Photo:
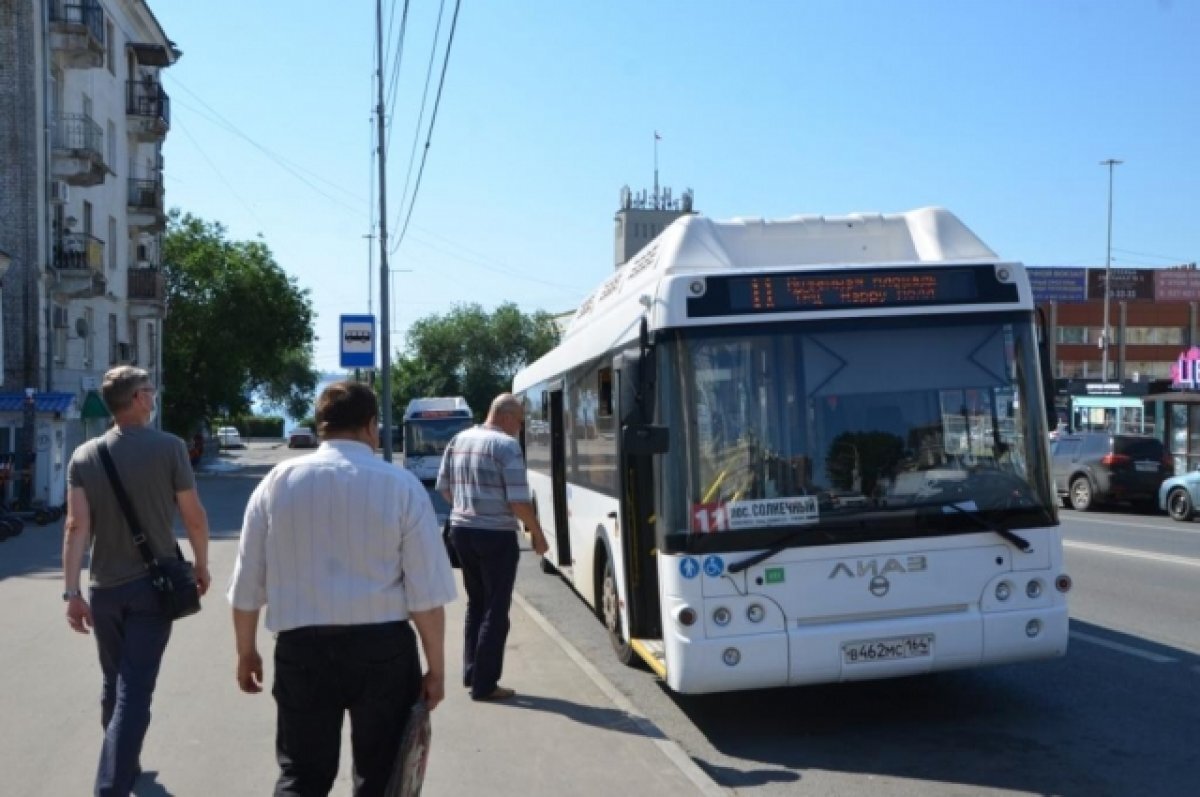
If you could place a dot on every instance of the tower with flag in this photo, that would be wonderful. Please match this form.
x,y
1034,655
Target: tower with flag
x,y
642,215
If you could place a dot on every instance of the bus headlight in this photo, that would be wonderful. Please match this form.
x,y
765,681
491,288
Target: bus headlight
x,y
1034,589
731,656
721,616
686,616
1063,583
755,613
1003,591
1033,628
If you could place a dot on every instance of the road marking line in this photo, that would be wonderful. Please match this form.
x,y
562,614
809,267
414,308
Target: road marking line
x,y
1154,557
1182,528
1132,651
669,748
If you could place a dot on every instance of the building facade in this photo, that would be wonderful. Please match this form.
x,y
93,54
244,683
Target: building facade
x,y
1154,315
83,116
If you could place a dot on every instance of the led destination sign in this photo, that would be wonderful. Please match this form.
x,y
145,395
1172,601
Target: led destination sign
x,y
846,289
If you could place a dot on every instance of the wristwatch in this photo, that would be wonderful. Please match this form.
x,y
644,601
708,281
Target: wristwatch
x,y
72,593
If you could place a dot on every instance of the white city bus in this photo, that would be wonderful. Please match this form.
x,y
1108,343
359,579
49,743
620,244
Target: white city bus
x,y
801,451
429,424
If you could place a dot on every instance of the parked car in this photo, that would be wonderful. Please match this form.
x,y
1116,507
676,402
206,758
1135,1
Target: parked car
x,y
228,437
1179,496
302,437
1102,467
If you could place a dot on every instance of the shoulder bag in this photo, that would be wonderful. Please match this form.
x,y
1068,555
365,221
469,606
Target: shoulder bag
x,y
451,552
173,579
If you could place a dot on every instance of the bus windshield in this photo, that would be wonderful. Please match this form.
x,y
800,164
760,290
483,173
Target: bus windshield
x,y
811,425
428,437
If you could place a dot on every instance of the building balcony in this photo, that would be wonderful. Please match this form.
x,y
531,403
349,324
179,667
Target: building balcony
x,y
145,205
79,265
77,33
78,151
146,292
148,110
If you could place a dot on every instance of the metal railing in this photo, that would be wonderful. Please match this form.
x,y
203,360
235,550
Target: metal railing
x,y
147,98
77,131
79,251
145,284
145,194
82,13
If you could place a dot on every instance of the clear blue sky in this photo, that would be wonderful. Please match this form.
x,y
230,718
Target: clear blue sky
x,y
999,111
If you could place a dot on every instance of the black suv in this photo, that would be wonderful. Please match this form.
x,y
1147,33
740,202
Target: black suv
x,y
1099,467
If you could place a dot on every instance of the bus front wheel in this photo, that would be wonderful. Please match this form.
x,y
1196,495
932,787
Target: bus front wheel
x,y
610,613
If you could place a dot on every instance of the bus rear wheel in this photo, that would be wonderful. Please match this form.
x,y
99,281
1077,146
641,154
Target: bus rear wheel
x,y
610,613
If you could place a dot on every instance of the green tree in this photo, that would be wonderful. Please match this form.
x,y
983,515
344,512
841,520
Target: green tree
x,y
469,352
237,325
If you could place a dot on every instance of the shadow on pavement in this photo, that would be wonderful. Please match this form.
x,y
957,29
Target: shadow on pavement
x,y
611,719
147,785
1087,724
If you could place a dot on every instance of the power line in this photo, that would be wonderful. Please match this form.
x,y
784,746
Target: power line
x,y
292,168
432,121
217,172
1151,254
399,48
412,155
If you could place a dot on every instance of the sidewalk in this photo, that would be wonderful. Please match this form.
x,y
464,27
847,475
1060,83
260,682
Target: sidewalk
x,y
563,733
566,732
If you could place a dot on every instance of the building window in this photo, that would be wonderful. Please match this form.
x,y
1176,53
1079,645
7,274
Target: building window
x,y
110,47
1072,335
112,338
112,243
132,331
1154,336
59,346
89,338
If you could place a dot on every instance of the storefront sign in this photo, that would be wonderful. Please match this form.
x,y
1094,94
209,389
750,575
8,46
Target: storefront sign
x,y
1127,284
1103,388
1177,285
1058,284
1185,373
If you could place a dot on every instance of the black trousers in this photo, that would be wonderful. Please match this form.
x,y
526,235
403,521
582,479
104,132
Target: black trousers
x,y
489,572
371,671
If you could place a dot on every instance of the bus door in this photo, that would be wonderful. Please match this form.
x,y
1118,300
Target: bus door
x,y
558,477
639,441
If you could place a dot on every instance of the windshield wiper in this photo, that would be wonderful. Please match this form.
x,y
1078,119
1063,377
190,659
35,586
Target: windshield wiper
x,y
779,545
1014,538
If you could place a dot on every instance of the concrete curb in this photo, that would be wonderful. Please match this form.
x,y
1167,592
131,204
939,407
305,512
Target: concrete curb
x,y
705,784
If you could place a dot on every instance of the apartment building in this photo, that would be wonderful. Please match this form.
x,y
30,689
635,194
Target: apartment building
x,y
83,116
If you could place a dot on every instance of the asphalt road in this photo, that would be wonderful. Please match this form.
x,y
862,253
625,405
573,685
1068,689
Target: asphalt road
x,y
1117,716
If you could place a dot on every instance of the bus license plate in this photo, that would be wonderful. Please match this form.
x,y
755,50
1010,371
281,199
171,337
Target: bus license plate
x,y
905,647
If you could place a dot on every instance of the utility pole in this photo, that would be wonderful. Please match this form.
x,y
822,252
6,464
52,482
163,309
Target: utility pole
x,y
370,272
385,333
1106,337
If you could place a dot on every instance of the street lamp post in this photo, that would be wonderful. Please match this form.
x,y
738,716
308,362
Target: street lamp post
x,y
1106,338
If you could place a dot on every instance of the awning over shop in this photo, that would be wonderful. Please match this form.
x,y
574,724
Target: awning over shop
x,y
93,407
43,402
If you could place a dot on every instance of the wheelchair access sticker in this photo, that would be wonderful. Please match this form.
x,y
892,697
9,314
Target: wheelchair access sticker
x,y
714,566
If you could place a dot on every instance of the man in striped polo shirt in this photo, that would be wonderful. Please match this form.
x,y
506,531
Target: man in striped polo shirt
x,y
483,477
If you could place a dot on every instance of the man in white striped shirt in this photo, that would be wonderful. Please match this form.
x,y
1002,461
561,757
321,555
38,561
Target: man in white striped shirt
x,y
343,549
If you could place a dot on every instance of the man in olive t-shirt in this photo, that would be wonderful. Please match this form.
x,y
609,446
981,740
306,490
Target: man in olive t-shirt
x,y
131,625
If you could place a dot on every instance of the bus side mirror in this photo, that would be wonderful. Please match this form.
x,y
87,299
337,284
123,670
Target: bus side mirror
x,y
644,440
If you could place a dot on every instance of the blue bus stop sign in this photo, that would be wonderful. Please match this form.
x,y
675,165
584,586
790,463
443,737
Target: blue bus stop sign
x,y
358,341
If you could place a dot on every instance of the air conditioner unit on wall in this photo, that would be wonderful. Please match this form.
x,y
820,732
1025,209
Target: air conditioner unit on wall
x,y
60,192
